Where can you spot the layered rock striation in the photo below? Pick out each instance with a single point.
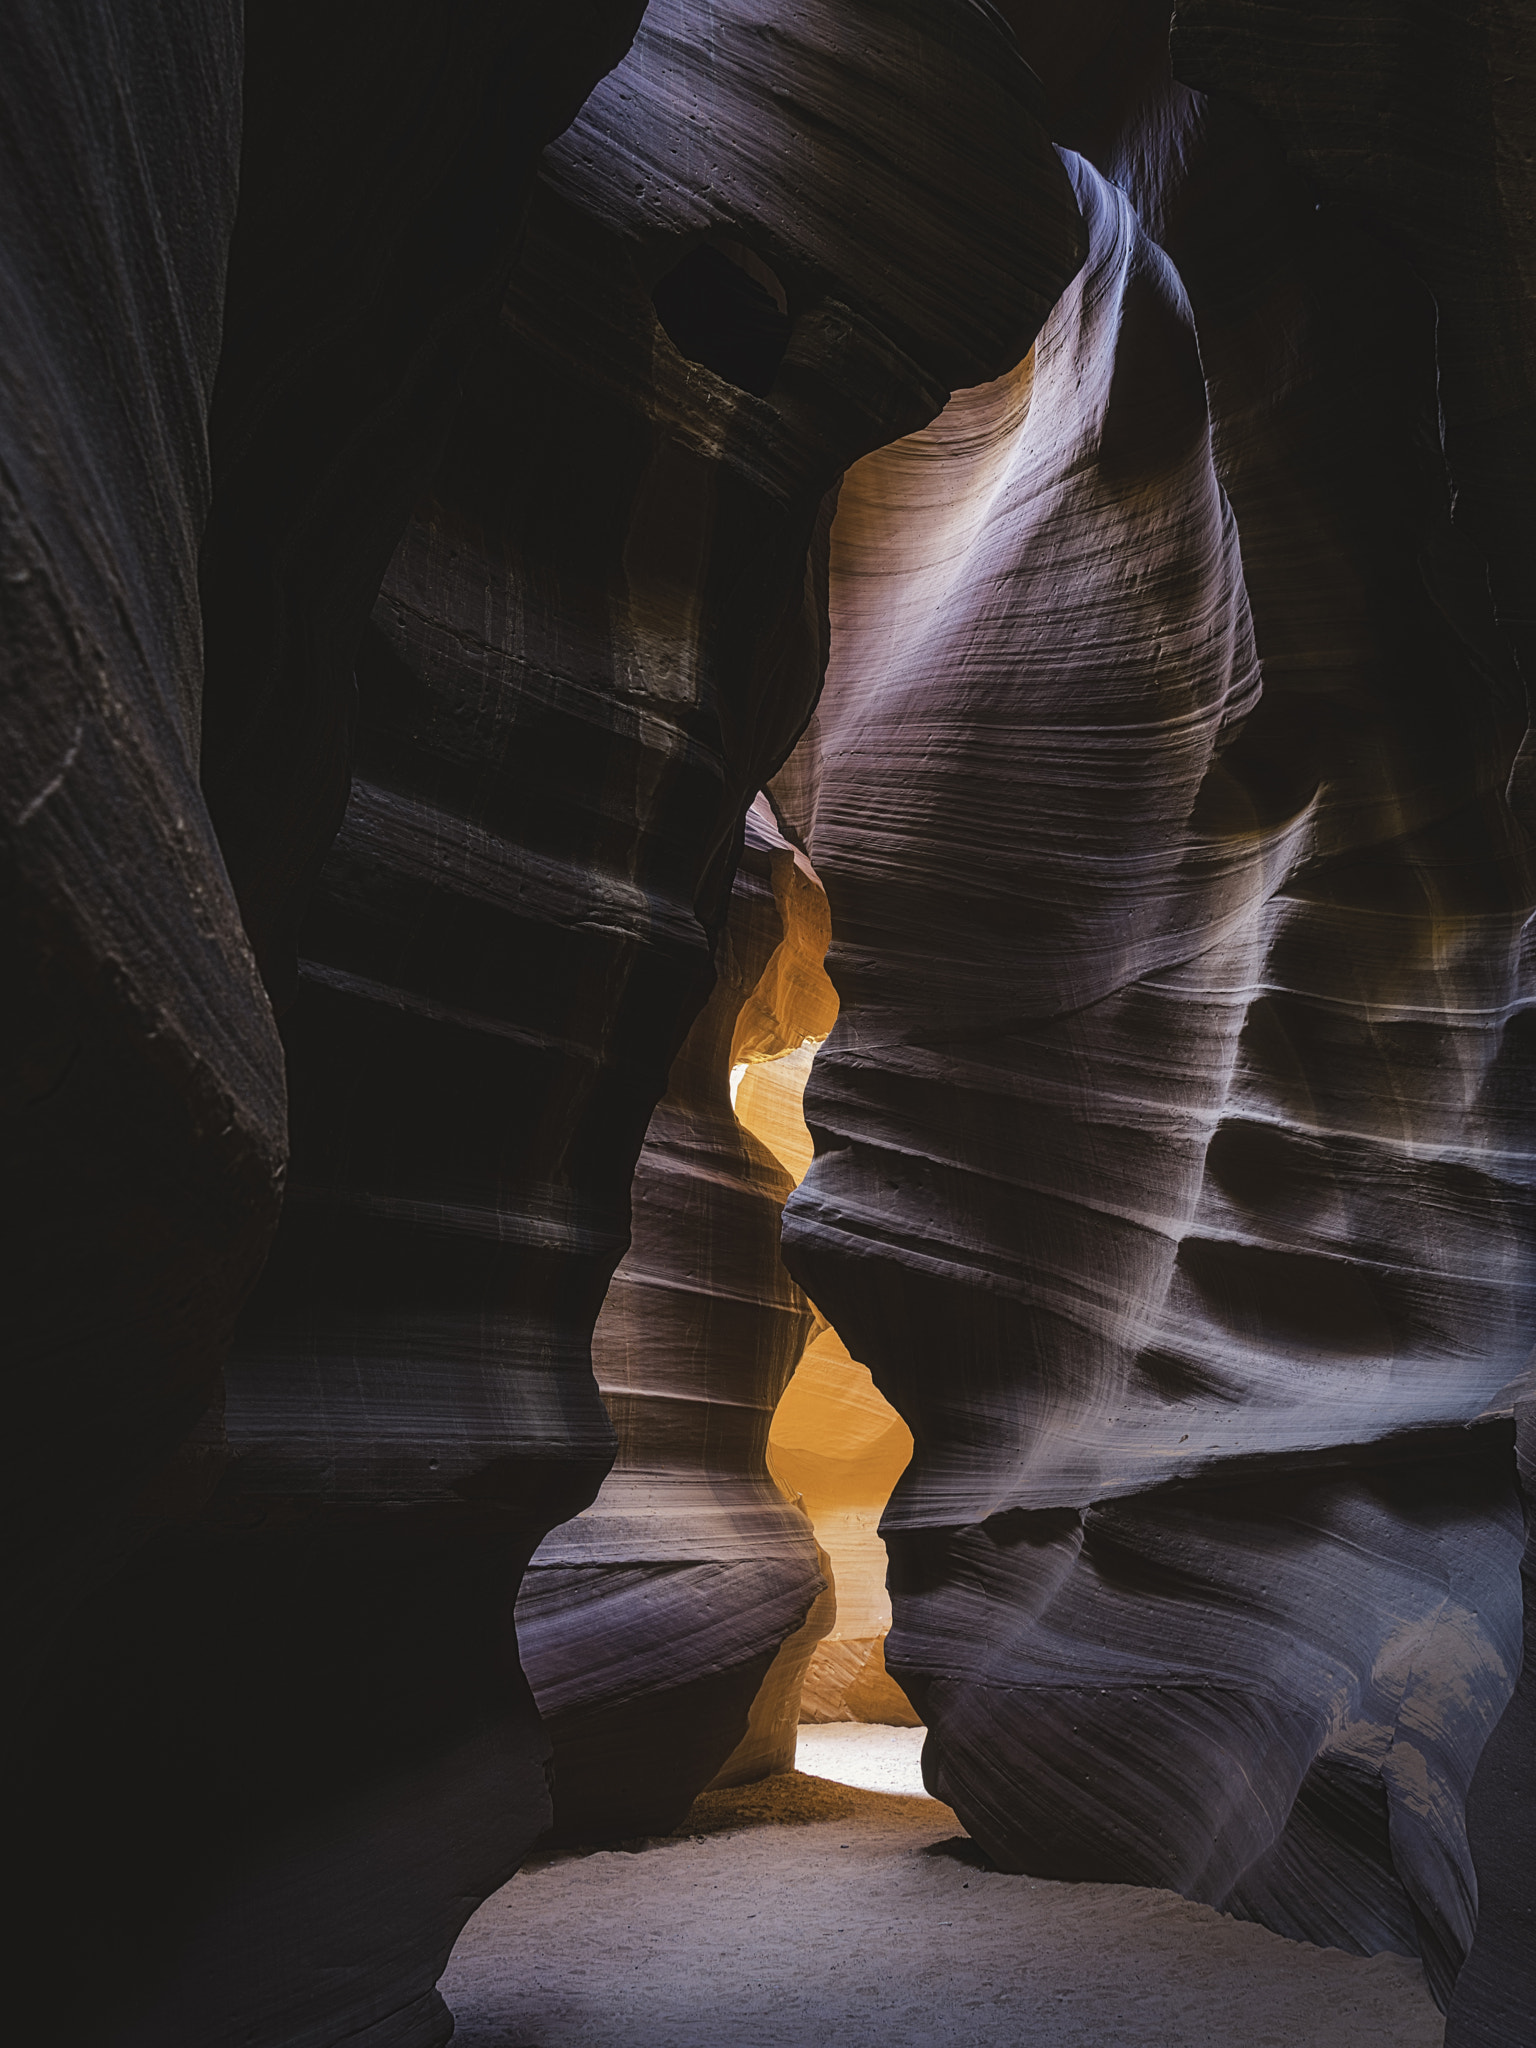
(229, 332)
(648, 1624)
(387, 157)
(143, 1098)
(1171, 1140)
(603, 628)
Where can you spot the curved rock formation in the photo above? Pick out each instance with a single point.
(648, 1624)
(601, 631)
(1170, 1138)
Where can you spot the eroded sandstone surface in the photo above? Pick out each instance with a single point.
(481, 825)
(1184, 1210)
(441, 454)
(649, 1624)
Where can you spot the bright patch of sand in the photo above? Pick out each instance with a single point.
(853, 1753)
(802, 1911)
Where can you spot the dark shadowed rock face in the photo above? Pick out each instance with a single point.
(1496, 1992)
(603, 628)
(145, 1098)
(1421, 122)
(143, 1079)
(143, 1110)
(648, 1623)
(388, 153)
(1184, 1209)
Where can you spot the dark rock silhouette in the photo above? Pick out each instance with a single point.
(386, 159)
(602, 629)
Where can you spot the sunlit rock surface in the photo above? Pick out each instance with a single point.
(648, 1624)
(839, 1447)
(1173, 1176)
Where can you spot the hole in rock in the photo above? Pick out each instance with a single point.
(723, 307)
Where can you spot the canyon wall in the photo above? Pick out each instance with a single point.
(418, 475)
(481, 825)
(648, 1624)
(143, 1115)
(1423, 129)
(603, 628)
(207, 211)
(1173, 1139)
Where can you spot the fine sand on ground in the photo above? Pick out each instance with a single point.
(805, 1911)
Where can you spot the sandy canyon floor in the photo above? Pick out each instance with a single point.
(840, 1905)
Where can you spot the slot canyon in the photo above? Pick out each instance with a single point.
(770, 1021)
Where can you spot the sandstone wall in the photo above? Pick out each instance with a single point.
(412, 570)
(602, 628)
(276, 1689)
(649, 1623)
(1172, 1136)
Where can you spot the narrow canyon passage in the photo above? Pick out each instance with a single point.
(768, 1022)
(802, 1910)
